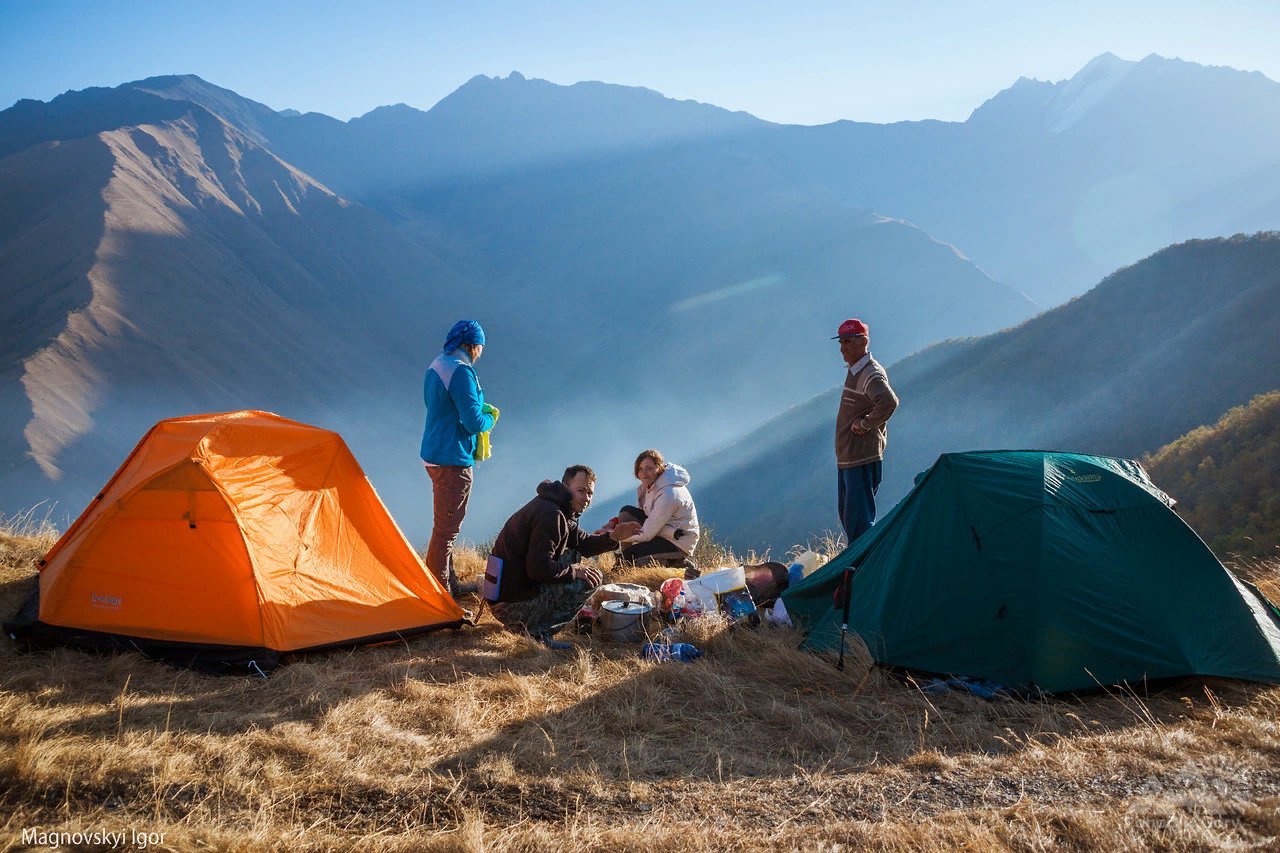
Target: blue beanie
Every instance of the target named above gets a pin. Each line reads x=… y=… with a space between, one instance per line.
x=464 y=332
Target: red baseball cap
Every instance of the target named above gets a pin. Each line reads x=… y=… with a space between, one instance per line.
x=849 y=328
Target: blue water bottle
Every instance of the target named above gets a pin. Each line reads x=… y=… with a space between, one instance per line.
x=683 y=652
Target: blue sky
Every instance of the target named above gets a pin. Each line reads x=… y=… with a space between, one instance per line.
x=798 y=63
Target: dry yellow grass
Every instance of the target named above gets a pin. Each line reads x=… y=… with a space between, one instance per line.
x=481 y=740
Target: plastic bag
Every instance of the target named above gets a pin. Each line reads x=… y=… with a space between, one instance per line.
x=620 y=592
x=725 y=591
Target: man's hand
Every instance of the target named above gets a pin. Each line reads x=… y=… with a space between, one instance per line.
x=589 y=575
x=624 y=530
x=858 y=428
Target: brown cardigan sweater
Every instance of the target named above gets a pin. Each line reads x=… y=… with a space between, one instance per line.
x=868 y=400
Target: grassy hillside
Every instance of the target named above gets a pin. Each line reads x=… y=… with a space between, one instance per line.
x=1226 y=478
x=1155 y=350
x=480 y=740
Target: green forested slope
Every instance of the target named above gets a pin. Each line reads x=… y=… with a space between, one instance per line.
x=1226 y=478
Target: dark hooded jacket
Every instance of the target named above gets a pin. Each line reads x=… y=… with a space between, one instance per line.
x=533 y=543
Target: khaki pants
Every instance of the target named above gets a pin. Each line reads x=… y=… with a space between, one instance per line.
x=450 y=491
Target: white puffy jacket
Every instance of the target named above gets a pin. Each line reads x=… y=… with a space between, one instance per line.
x=669 y=507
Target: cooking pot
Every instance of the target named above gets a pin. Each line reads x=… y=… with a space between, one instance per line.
x=623 y=621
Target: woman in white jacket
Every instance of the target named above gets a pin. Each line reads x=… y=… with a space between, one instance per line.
x=665 y=509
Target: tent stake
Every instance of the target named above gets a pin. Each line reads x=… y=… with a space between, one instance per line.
x=844 y=625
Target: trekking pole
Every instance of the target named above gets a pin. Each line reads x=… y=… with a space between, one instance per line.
x=844 y=624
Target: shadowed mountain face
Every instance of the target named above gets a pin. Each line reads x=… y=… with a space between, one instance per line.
x=1153 y=351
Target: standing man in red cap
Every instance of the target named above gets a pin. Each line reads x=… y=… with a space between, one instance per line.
x=866 y=405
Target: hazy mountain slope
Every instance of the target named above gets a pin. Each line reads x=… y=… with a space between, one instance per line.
x=61 y=188
x=62 y=208
x=674 y=298
x=75 y=115
x=1151 y=352
x=620 y=291
x=204 y=274
x=539 y=189
x=1049 y=186
x=1226 y=478
x=710 y=266
x=648 y=261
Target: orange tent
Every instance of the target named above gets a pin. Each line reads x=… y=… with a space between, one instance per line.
x=225 y=539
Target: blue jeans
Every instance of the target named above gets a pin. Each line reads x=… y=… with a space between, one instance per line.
x=857 y=503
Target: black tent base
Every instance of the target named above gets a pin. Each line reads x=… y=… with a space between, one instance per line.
x=1142 y=688
x=212 y=658
x=217 y=659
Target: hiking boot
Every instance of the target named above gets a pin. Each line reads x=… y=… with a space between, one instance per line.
x=458 y=588
x=691 y=572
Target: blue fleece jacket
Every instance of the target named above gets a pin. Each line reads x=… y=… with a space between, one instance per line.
x=455 y=413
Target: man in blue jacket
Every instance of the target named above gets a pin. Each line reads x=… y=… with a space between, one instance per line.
x=456 y=414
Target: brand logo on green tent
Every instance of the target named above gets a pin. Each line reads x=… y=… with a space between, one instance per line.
x=1070 y=474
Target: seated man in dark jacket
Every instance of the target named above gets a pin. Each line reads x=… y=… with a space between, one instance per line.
x=541 y=584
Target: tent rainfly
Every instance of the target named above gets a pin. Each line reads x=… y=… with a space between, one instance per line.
x=1043 y=572
x=227 y=539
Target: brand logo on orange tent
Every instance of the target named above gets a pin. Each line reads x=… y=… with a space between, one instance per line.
x=104 y=601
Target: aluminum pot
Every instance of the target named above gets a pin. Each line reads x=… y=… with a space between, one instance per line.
x=623 y=621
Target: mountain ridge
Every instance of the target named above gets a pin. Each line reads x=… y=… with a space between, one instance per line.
x=1045 y=195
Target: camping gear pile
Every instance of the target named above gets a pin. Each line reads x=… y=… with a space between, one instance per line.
x=630 y=613
x=749 y=593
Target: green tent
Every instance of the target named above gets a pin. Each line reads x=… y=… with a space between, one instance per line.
x=1041 y=571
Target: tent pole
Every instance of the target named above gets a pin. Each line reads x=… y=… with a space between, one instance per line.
x=844 y=624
